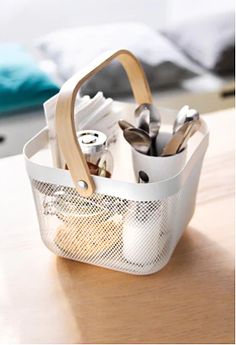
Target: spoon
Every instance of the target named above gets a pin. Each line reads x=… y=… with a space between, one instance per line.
x=192 y=114
x=143 y=115
x=180 y=118
x=124 y=124
x=138 y=139
x=149 y=120
x=195 y=127
x=185 y=115
x=180 y=138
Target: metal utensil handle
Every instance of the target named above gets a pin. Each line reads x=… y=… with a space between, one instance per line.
x=65 y=127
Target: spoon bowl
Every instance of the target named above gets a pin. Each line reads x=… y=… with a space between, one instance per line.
x=180 y=118
x=192 y=115
x=149 y=120
x=138 y=139
x=125 y=124
x=184 y=115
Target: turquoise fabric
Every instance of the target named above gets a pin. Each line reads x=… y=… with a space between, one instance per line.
x=22 y=83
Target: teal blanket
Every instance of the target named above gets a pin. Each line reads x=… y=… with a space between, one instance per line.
x=22 y=83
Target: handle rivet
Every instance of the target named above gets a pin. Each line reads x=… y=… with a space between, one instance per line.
x=82 y=184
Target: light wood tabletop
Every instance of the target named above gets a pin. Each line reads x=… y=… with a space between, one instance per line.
x=46 y=299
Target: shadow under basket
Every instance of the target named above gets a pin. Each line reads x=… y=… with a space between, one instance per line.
x=124 y=226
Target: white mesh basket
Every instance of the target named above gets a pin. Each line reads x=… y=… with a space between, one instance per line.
x=120 y=225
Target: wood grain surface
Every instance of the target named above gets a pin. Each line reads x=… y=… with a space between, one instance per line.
x=45 y=299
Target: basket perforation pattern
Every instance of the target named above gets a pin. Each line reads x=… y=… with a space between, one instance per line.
x=131 y=236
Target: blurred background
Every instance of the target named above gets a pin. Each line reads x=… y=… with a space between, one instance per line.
x=187 y=49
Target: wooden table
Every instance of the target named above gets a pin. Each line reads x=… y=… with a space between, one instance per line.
x=45 y=299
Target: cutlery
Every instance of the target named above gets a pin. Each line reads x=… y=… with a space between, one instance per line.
x=195 y=128
x=180 y=118
x=180 y=138
x=124 y=124
x=184 y=115
x=143 y=115
x=149 y=120
x=138 y=139
x=193 y=114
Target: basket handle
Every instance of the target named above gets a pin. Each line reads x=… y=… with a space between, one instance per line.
x=65 y=127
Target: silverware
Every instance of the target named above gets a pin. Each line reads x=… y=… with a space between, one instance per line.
x=143 y=115
x=180 y=118
x=179 y=140
x=138 y=139
x=124 y=124
x=193 y=114
x=184 y=115
x=135 y=136
x=149 y=120
x=195 y=127
x=142 y=177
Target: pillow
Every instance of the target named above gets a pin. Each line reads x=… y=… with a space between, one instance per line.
x=72 y=49
x=22 y=83
x=209 y=41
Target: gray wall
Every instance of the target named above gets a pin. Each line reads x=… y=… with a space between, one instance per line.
x=25 y=20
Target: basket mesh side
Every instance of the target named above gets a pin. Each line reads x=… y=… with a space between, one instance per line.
x=125 y=235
